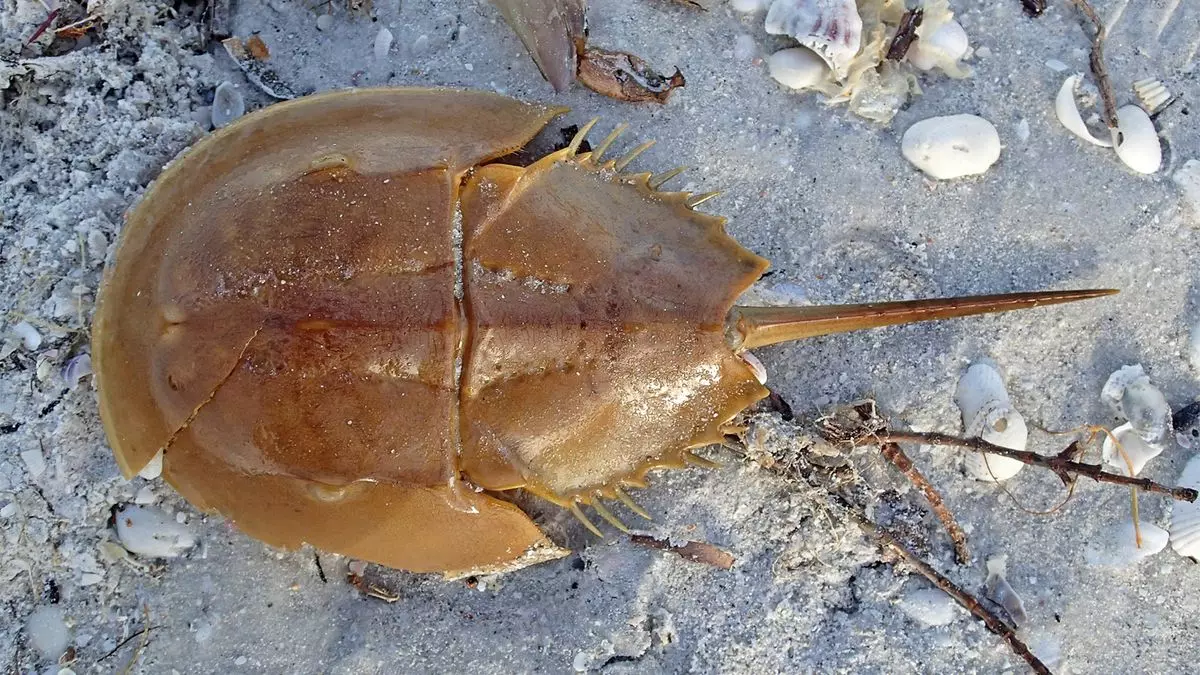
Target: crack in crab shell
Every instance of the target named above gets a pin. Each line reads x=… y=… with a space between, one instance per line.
x=596 y=307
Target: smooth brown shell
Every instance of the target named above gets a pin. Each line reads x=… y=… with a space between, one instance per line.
x=342 y=326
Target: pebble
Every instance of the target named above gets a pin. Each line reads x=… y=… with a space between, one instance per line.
x=383 y=43
x=797 y=68
x=929 y=607
x=325 y=22
x=983 y=52
x=30 y=337
x=149 y=531
x=952 y=146
x=48 y=632
x=228 y=104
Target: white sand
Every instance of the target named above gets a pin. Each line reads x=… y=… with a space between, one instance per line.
x=827 y=197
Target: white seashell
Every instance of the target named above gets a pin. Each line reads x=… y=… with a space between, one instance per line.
x=1185 y=516
x=1128 y=392
x=831 y=28
x=153 y=468
x=1152 y=93
x=1068 y=112
x=47 y=632
x=951 y=146
x=797 y=68
x=1137 y=452
x=31 y=339
x=1136 y=140
x=929 y=607
x=987 y=413
x=748 y=6
x=946 y=45
x=383 y=43
x=148 y=531
x=760 y=371
x=76 y=369
x=1119 y=548
x=228 y=105
x=1048 y=649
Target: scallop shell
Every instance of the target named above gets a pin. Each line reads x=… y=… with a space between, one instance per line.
x=1136 y=140
x=1185 y=518
x=987 y=413
x=831 y=28
x=1136 y=449
x=1068 y=112
x=1152 y=93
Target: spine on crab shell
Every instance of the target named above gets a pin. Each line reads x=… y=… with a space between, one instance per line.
x=750 y=327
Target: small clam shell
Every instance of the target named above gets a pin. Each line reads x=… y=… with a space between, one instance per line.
x=1136 y=140
x=831 y=28
x=228 y=105
x=148 y=531
x=1120 y=547
x=1068 y=112
x=1137 y=452
x=1185 y=516
x=946 y=45
x=987 y=413
x=952 y=146
x=797 y=68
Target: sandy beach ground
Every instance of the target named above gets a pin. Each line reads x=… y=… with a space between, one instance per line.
x=86 y=124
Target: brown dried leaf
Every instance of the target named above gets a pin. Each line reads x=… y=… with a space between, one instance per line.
x=696 y=551
x=625 y=77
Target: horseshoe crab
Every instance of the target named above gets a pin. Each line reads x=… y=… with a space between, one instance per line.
x=342 y=322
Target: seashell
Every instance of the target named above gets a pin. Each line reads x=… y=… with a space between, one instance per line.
x=153 y=468
x=1136 y=450
x=988 y=413
x=149 y=531
x=76 y=369
x=999 y=590
x=831 y=28
x=383 y=43
x=945 y=45
x=1128 y=391
x=1048 y=649
x=760 y=371
x=1068 y=112
x=1185 y=516
x=31 y=339
x=1187 y=426
x=228 y=104
x=47 y=632
x=1119 y=548
x=952 y=146
x=797 y=68
x=929 y=607
x=1152 y=93
x=1136 y=140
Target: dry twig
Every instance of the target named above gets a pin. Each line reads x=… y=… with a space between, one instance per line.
x=696 y=551
x=1097 y=61
x=901 y=461
x=905 y=34
x=1063 y=467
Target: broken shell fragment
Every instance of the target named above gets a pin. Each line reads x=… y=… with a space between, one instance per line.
x=1136 y=140
x=952 y=146
x=1152 y=93
x=1002 y=593
x=1134 y=452
x=797 y=68
x=987 y=413
x=831 y=28
x=1185 y=516
x=1121 y=548
x=930 y=607
x=1067 y=111
x=383 y=43
x=149 y=531
x=1128 y=392
x=940 y=49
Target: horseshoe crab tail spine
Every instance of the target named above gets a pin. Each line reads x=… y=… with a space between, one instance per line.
x=751 y=327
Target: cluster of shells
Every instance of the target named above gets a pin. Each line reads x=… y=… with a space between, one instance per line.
x=1150 y=429
x=843 y=44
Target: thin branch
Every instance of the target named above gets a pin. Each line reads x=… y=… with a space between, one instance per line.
x=696 y=551
x=1062 y=467
x=901 y=461
x=1097 y=62
x=906 y=33
x=993 y=622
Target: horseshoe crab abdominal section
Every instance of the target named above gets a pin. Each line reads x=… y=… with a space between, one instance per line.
x=343 y=322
